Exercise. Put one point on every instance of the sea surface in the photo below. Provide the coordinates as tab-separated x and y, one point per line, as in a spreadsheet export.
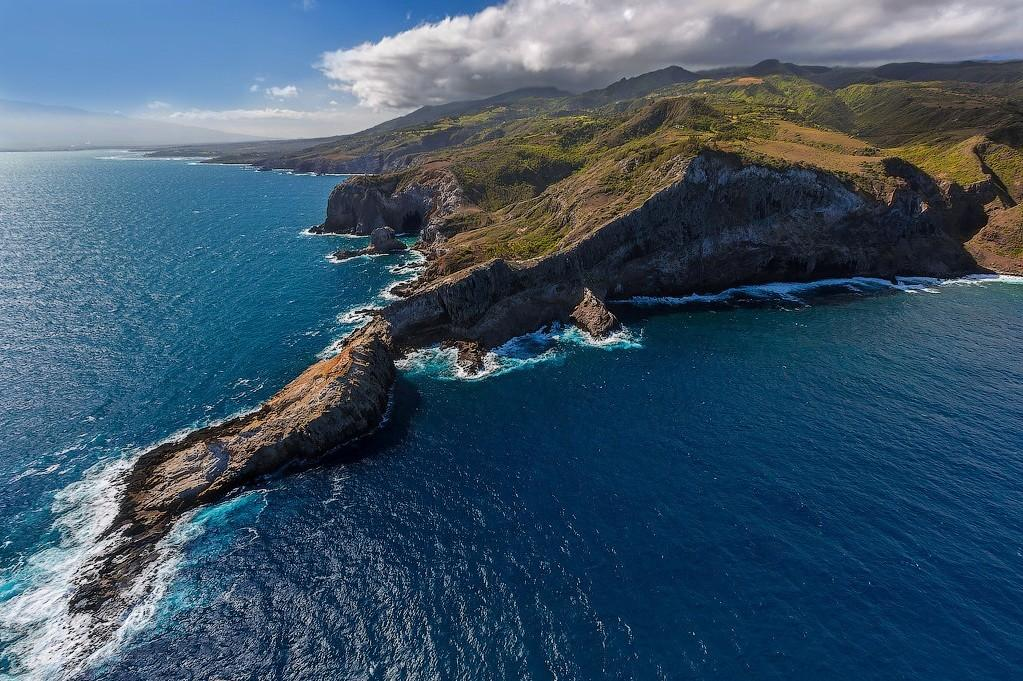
777	482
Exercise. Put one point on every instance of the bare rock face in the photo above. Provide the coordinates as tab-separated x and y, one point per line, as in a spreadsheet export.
723	223
332	402
471	356
593	317
382	241
360	204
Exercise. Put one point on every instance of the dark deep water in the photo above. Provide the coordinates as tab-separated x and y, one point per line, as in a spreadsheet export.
825	485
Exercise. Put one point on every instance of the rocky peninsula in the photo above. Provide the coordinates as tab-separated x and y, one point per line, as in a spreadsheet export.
668	196
722	223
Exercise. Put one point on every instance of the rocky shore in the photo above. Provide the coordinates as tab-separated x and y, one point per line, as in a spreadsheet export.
332	402
383	240
721	221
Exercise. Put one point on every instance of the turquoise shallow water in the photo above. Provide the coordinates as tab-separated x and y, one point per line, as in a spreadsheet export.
779	483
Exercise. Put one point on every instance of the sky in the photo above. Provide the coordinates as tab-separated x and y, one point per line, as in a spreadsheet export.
303	68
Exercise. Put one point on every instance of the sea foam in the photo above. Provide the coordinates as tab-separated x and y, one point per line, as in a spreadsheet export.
799	292
47	640
550	344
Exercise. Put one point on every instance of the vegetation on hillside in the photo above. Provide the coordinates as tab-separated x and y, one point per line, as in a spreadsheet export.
542	168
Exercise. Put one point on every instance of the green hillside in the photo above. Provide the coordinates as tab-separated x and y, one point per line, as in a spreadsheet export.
540	168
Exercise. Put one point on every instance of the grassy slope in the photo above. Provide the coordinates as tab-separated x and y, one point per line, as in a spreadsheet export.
897	113
548	180
942	128
542	169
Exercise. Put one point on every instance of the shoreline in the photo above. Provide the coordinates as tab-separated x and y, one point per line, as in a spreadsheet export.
345	396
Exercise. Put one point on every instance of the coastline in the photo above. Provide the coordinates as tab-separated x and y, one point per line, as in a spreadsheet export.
346	396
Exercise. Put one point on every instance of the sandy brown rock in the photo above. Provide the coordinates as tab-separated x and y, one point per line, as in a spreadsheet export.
332	402
999	245
593	317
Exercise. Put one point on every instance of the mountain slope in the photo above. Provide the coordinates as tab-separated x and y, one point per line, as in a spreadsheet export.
814	92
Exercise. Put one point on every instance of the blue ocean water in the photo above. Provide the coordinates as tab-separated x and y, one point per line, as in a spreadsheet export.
783	482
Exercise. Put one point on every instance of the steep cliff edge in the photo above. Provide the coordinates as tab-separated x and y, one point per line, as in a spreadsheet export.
718	220
363	204
722	223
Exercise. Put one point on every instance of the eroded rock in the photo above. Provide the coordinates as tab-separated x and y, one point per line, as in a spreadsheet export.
593	317
471	356
362	204
332	402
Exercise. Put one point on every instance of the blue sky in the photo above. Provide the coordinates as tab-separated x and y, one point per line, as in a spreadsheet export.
122	55
118	54
290	68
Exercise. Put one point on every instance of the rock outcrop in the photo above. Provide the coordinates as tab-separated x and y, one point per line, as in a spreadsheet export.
471	358
363	204
332	402
382	241
593	317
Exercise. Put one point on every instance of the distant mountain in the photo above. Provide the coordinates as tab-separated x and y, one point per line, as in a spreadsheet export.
28	126
821	93
963	72
638	86
835	77
429	114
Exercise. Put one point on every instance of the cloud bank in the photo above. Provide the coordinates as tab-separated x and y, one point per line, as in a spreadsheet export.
578	44
278	122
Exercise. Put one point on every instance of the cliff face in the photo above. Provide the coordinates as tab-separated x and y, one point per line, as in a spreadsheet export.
356	207
361	205
332	402
723	223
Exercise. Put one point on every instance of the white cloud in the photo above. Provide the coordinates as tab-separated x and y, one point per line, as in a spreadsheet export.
243	114
254	87
280	122
156	105
579	44
282	92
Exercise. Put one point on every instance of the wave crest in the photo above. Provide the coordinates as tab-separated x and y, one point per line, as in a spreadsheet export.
550	344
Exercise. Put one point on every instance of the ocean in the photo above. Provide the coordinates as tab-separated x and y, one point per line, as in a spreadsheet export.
775	482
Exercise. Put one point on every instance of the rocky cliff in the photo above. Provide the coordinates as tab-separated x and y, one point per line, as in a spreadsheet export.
332	402
720	221
363	204
723	223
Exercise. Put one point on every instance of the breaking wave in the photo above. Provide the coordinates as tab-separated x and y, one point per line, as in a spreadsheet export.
800	292
44	639
551	344
412	264
47	640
